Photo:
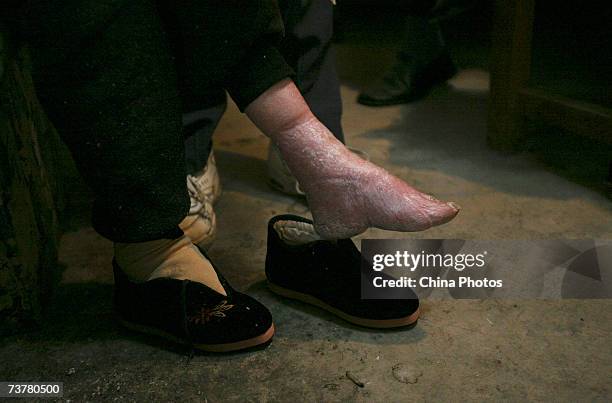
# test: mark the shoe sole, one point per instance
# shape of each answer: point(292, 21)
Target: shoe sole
point(365, 322)
point(212, 348)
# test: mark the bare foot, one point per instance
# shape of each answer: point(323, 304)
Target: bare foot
point(348, 195)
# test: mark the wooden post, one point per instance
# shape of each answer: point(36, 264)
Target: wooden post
point(510, 68)
point(29, 196)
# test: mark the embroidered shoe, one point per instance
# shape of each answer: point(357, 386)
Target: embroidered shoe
point(327, 274)
point(204, 190)
point(191, 313)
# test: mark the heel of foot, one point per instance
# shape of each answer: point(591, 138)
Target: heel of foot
point(337, 231)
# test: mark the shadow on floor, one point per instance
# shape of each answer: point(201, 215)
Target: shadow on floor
point(82, 313)
point(447, 132)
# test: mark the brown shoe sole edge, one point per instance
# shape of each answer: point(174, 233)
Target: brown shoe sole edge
point(212, 348)
point(371, 323)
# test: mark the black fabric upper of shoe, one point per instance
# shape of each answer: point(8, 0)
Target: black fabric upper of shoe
point(190, 311)
point(329, 271)
point(405, 83)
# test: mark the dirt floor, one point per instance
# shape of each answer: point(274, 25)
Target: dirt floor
point(461, 350)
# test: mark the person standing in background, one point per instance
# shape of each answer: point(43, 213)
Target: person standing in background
point(423, 61)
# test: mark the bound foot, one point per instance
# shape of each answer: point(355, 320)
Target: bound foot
point(348, 195)
point(170, 288)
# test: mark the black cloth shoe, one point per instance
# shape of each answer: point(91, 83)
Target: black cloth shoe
point(403, 85)
point(327, 274)
point(191, 313)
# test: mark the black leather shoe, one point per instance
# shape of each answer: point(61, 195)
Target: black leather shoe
point(402, 85)
point(327, 274)
point(191, 313)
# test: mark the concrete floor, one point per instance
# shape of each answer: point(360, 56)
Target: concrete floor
point(461, 350)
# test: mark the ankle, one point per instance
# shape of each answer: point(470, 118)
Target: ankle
point(138, 260)
point(273, 120)
point(167, 258)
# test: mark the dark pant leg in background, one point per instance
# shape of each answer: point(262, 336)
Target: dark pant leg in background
point(423, 39)
point(422, 42)
point(104, 74)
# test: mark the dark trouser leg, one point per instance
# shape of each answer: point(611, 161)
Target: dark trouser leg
point(422, 43)
point(307, 48)
point(104, 74)
point(198, 128)
point(200, 116)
